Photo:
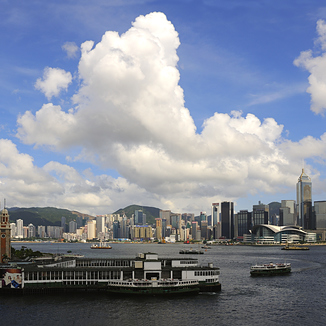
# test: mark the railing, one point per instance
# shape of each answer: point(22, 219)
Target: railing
point(152, 283)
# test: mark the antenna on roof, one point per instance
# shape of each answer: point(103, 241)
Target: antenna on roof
point(4, 203)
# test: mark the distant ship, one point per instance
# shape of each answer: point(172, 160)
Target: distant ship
point(101, 245)
point(191, 252)
point(270, 269)
point(293, 247)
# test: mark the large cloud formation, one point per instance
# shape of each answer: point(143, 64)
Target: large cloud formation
point(129, 115)
point(317, 68)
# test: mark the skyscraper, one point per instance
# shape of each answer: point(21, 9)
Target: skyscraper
point(100, 219)
point(320, 213)
point(287, 213)
point(260, 214)
point(20, 228)
point(227, 217)
point(63, 223)
point(215, 213)
point(304, 201)
point(140, 217)
point(244, 222)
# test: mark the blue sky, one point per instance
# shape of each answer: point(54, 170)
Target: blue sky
point(173, 104)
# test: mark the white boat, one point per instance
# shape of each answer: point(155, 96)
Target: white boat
point(101, 245)
point(270, 269)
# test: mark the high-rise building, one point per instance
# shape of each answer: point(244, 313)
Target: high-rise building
point(31, 231)
point(260, 214)
point(91, 229)
point(204, 230)
point(176, 221)
point(244, 222)
point(166, 214)
point(304, 202)
point(194, 227)
point(13, 230)
point(63, 223)
point(158, 222)
point(20, 228)
point(41, 231)
point(140, 217)
point(72, 227)
point(287, 213)
point(215, 213)
point(79, 221)
point(320, 213)
point(227, 217)
point(100, 225)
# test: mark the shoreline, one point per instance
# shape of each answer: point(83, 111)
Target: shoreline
point(175, 243)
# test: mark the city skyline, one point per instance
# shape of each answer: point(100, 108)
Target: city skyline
point(174, 105)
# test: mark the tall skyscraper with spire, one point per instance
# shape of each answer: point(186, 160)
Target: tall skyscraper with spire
point(304, 202)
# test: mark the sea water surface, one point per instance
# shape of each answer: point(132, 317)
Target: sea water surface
point(295, 299)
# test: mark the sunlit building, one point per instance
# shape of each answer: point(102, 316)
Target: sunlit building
point(287, 213)
point(304, 202)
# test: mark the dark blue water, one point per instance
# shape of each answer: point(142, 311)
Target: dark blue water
point(296, 299)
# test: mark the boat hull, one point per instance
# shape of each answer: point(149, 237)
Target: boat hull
point(270, 269)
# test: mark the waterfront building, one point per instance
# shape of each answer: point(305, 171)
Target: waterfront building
point(287, 213)
point(91, 229)
point(140, 217)
point(194, 227)
point(204, 230)
point(72, 227)
point(63, 223)
point(166, 215)
point(115, 228)
point(158, 224)
point(217, 231)
point(304, 202)
point(176, 221)
point(260, 214)
point(227, 217)
point(100, 223)
point(5, 241)
point(244, 222)
point(266, 233)
point(31, 231)
point(320, 214)
point(41, 231)
point(215, 214)
point(79, 221)
point(13, 230)
point(141, 232)
point(20, 228)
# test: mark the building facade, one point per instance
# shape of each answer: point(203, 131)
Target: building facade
point(304, 202)
point(227, 217)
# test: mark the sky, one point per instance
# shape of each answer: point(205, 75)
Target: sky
point(172, 104)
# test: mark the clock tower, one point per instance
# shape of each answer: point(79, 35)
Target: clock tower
point(5, 249)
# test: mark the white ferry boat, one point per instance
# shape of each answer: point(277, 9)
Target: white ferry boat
point(145, 274)
point(270, 269)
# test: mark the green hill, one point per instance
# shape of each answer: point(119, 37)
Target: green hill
point(151, 212)
point(42, 215)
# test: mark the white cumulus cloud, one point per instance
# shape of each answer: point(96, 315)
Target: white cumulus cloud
point(71, 48)
point(316, 65)
point(130, 116)
point(54, 80)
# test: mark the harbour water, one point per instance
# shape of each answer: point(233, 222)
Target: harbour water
point(295, 299)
